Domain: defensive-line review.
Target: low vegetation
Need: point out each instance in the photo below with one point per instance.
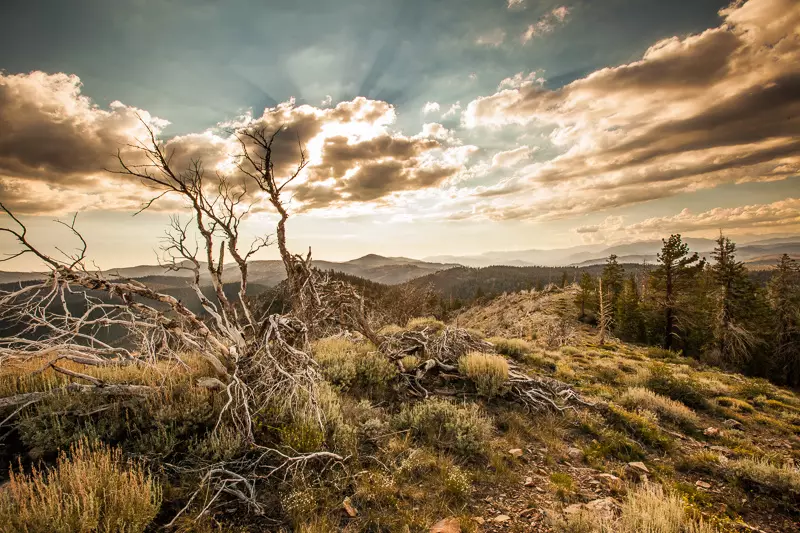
(489, 373)
(90, 489)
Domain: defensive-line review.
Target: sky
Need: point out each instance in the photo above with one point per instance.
(447, 127)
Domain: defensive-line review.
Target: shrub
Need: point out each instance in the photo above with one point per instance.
(353, 364)
(489, 373)
(91, 490)
(461, 429)
(655, 352)
(700, 462)
(662, 381)
(639, 426)
(672, 410)
(735, 404)
(410, 361)
(611, 443)
(562, 484)
(429, 323)
(782, 479)
(515, 348)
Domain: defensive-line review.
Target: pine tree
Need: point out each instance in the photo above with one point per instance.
(671, 278)
(628, 318)
(734, 291)
(586, 295)
(613, 278)
(564, 280)
(784, 299)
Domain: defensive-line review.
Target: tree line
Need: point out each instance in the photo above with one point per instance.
(712, 309)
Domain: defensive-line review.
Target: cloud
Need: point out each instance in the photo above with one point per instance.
(55, 145)
(54, 139)
(430, 107)
(717, 107)
(516, 4)
(780, 216)
(509, 158)
(493, 38)
(547, 23)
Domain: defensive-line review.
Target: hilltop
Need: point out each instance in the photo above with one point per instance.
(656, 436)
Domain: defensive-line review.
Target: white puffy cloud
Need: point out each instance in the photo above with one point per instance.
(430, 107)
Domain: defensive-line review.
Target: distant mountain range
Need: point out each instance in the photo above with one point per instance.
(395, 270)
(387, 270)
(757, 254)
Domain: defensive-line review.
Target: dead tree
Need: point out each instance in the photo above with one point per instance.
(604, 311)
(262, 361)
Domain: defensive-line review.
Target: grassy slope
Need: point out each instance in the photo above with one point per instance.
(732, 419)
(411, 463)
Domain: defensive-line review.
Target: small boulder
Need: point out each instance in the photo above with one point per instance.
(528, 481)
(640, 466)
(711, 432)
(501, 518)
(702, 484)
(733, 424)
(448, 525)
(575, 454)
(515, 452)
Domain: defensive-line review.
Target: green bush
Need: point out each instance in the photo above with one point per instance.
(353, 365)
(639, 426)
(682, 389)
(444, 425)
(90, 490)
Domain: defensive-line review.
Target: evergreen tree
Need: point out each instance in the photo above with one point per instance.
(628, 317)
(784, 299)
(613, 278)
(604, 319)
(586, 295)
(674, 274)
(733, 342)
(564, 280)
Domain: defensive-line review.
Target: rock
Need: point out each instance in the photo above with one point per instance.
(501, 518)
(703, 484)
(604, 507)
(575, 453)
(638, 465)
(711, 432)
(528, 481)
(348, 508)
(479, 519)
(515, 452)
(212, 384)
(575, 508)
(733, 424)
(611, 481)
(447, 525)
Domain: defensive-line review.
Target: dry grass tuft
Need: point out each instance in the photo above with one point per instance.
(666, 408)
(91, 490)
(647, 509)
(489, 373)
(429, 323)
(515, 348)
(784, 479)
